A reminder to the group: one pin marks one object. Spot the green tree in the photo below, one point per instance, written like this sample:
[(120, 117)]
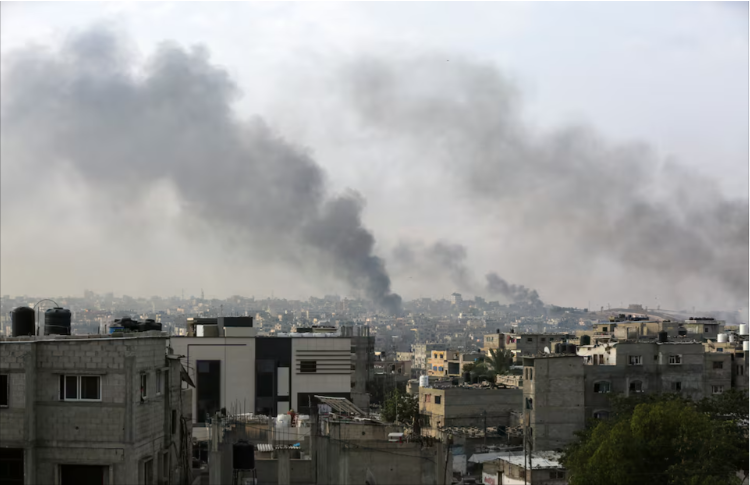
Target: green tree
[(400, 408), (663, 439), (500, 361)]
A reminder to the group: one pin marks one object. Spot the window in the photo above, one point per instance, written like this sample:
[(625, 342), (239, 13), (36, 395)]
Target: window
[(740, 371), (80, 388), (675, 359), (438, 399), (308, 366), (174, 421), (529, 403), (4, 390), (677, 386), (428, 398), (635, 360), (720, 350), (601, 414), (148, 472), (555, 475), (165, 465), (602, 387), (636, 386), (543, 339), (529, 339), (717, 389), (158, 382), (144, 386), (354, 349), (718, 365), (705, 329)]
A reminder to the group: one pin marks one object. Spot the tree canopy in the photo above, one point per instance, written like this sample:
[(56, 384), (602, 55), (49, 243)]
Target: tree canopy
[(400, 408), (663, 439)]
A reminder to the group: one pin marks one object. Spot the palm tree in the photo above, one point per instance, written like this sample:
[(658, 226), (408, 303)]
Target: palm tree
[(500, 361)]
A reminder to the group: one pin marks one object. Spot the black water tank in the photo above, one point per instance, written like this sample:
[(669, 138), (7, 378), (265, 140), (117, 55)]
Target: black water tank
[(558, 348), (572, 348), (243, 456), (57, 321), (663, 336), (586, 340), (129, 324), (681, 332), (152, 325), (22, 322)]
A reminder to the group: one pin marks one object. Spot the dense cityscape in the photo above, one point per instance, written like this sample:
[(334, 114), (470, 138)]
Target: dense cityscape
[(374, 243)]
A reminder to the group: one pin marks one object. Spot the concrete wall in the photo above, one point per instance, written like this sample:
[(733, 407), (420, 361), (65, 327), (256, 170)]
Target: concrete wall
[(557, 401), (119, 432), (237, 370), (333, 357), (465, 406), (717, 377)]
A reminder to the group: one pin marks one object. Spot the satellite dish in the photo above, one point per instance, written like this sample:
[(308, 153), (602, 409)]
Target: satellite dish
[(546, 350)]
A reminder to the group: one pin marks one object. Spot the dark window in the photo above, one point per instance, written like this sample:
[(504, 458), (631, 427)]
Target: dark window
[(529, 403), (71, 387), (90, 388), (158, 382), (438, 399), (529, 339), (82, 474), (11, 466), (208, 388), (718, 365), (308, 366), (144, 386), (148, 472), (677, 386), (265, 385), (4, 390), (636, 386), (174, 421), (602, 387)]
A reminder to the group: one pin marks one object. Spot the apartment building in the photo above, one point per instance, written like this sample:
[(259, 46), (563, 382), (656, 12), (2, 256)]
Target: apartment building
[(271, 375), (459, 406), (423, 352), (561, 391), (93, 409)]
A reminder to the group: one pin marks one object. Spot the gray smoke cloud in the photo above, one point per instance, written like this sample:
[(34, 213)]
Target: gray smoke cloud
[(516, 293), (122, 126), (447, 258), (567, 191)]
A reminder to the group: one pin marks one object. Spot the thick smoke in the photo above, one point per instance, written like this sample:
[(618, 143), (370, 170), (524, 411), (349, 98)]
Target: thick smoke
[(516, 293), (568, 192), (123, 126), (435, 260), (446, 258)]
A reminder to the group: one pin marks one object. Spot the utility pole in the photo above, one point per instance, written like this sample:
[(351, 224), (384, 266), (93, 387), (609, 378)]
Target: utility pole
[(484, 415)]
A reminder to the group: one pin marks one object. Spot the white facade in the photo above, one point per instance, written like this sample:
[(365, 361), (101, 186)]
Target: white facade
[(333, 366)]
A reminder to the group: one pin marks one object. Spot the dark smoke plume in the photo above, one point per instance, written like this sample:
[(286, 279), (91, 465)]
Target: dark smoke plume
[(568, 192), (122, 126), (435, 260), (516, 293)]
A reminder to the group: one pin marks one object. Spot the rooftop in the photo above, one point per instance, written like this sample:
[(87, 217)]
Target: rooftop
[(82, 338)]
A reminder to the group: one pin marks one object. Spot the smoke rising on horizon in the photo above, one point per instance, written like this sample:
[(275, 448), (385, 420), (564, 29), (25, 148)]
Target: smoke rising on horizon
[(123, 126), (567, 192)]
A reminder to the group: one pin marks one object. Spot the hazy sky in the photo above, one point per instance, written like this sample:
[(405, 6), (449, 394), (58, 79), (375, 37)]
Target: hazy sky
[(673, 76)]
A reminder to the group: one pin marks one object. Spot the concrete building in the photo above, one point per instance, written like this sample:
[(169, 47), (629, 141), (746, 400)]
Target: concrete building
[(562, 391), (93, 409), (513, 468), (526, 343), (457, 406), (271, 375), (363, 351), (423, 352)]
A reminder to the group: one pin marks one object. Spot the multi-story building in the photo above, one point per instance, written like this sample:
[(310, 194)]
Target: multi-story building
[(271, 375), (458, 406), (423, 352), (561, 391), (93, 409), (521, 344)]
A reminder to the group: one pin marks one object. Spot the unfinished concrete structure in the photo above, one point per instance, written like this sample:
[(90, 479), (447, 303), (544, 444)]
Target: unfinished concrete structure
[(468, 406), (561, 392), (95, 409)]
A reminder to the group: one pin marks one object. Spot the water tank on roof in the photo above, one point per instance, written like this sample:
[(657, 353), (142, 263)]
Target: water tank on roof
[(22, 322), (586, 340), (57, 321), (243, 456), (558, 348), (572, 348), (745, 346), (682, 331), (128, 324), (721, 338), (743, 329), (663, 336), (732, 337), (283, 421), (424, 381)]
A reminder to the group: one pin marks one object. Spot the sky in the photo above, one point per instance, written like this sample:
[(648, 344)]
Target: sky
[(672, 76)]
